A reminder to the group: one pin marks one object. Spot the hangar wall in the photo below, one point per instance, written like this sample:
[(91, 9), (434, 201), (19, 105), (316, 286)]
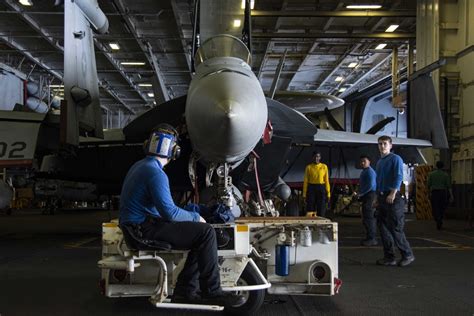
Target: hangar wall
[(445, 29)]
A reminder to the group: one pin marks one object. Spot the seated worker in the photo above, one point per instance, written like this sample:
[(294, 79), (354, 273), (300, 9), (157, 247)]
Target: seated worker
[(146, 200)]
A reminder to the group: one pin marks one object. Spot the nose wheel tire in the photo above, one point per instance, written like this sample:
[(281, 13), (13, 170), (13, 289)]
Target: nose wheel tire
[(253, 299)]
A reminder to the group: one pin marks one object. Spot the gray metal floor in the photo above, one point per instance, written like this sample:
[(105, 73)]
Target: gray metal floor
[(48, 267)]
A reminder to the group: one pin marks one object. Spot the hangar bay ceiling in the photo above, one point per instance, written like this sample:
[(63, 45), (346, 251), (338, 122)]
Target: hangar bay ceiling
[(146, 55)]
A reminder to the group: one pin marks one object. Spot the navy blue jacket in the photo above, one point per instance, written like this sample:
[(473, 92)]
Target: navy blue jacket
[(146, 191), (389, 173)]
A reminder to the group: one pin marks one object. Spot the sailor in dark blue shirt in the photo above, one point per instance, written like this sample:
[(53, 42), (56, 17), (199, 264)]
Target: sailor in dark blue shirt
[(146, 201), (390, 205), (366, 193)]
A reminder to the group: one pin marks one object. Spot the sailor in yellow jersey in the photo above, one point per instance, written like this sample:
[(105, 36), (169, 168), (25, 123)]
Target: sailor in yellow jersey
[(316, 190)]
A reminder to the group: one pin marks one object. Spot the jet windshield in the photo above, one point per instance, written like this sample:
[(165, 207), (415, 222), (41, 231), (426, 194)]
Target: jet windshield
[(222, 46)]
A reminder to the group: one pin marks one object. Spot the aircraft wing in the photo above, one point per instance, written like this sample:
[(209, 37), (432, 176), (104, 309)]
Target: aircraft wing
[(309, 102), (330, 137), (171, 112), (341, 152), (287, 122)]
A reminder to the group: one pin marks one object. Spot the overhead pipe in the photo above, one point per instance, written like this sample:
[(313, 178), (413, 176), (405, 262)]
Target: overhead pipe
[(94, 15)]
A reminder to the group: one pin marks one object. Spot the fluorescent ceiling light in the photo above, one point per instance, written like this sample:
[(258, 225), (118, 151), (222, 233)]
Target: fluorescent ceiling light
[(380, 46), (342, 89), (114, 46), (392, 28), (338, 79), (26, 3), (56, 86), (363, 6), (352, 65), (145, 85), (151, 95), (237, 23), (252, 4), (132, 63)]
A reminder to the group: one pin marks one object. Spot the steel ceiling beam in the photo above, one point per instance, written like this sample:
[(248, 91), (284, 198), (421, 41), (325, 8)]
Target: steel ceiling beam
[(373, 29), (119, 68), (267, 35), (161, 94), (354, 84), (38, 62), (24, 51), (269, 44), (263, 61), (384, 36), (62, 13), (328, 14), (315, 44), (50, 39), (122, 9), (339, 63), (187, 52), (301, 65), (294, 71)]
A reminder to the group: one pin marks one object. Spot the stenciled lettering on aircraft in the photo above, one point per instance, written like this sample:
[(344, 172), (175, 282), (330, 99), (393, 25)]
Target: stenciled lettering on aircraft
[(13, 150)]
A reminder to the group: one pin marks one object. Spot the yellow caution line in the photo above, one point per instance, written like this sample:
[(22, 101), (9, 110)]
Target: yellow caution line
[(449, 243), (81, 242), (417, 248), (442, 242), (459, 235)]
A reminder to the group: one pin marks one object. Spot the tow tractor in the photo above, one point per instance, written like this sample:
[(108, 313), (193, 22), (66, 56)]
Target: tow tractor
[(257, 255)]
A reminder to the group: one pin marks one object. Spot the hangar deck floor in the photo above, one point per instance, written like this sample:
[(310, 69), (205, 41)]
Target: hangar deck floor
[(48, 267)]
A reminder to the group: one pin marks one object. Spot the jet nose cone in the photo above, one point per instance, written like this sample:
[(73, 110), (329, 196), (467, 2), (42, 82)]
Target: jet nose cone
[(225, 116)]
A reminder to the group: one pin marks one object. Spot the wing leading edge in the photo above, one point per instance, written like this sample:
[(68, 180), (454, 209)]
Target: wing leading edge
[(330, 137)]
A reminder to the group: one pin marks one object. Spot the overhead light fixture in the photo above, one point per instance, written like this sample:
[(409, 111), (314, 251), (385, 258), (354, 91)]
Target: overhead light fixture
[(56, 86), (237, 23), (338, 79), (26, 3), (252, 4), (132, 63), (392, 28), (342, 89), (150, 94), (380, 46), (352, 65), (114, 46), (363, 6), (145, 85)]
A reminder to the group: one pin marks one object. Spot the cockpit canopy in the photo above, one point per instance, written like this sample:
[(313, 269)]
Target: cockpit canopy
[(222, 46)]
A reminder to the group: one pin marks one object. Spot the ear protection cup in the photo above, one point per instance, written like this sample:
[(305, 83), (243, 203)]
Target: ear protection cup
[(176, 151)]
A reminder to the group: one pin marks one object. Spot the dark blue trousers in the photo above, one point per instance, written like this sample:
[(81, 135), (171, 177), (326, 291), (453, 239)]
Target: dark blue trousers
[(201, 271), (391, 223), (368, 215)]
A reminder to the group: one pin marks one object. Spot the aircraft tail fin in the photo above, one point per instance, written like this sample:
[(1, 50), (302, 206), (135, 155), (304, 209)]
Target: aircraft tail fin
[(426, 121)]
